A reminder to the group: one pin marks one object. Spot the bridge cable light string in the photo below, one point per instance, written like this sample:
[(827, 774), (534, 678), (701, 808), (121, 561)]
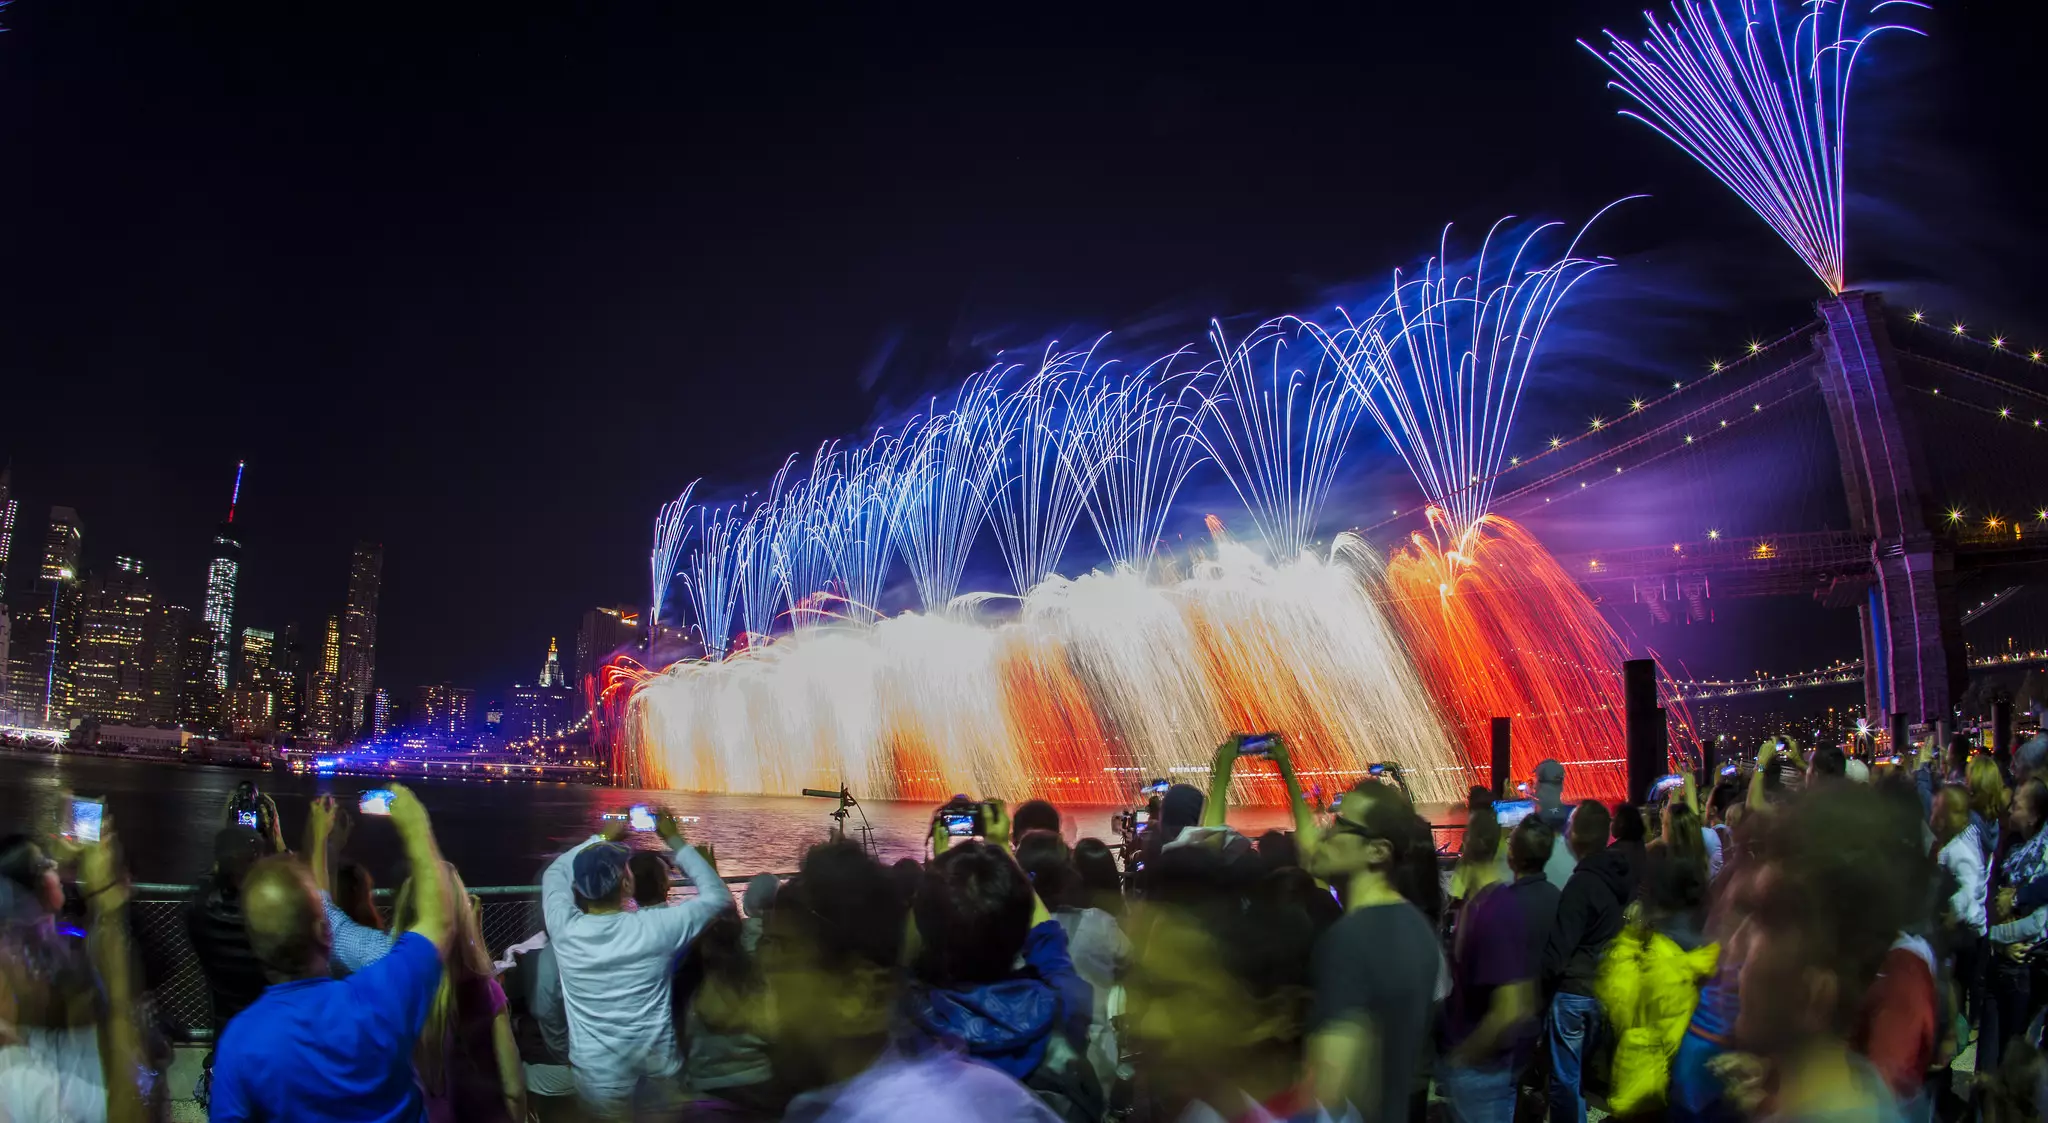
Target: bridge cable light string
[(1764, 111)]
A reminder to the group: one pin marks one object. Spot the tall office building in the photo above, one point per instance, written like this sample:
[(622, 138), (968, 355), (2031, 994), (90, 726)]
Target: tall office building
[(217, 612), (44, 642), (358, 667), (170, 630), (380, 712), (323, 687), (113, 670), (445, 709), (287, 675), (604, 630), (9, 507)]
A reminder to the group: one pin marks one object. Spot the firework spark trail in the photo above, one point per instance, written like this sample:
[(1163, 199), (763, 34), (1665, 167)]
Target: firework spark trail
[(759, 577), (1143, 450), (942, 489), (712, 577), (1040, 436), (1441, 365), (1768, 119), (671, 529), (1279, 450), (803, 540), (1502, 631), (1094, 677), (857, 529)]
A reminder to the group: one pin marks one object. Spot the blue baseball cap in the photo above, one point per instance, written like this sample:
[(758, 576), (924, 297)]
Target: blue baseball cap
[(598, 870)]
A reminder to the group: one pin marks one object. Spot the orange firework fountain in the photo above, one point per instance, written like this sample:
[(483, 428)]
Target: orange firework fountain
[(1497, 628)]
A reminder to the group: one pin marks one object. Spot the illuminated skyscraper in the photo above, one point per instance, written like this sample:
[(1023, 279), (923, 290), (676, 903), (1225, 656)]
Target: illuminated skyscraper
[(444, 708), (253, 702), (170, 629), (323, 687), (551, 675), (113, 673), (43, 647), (359, 636), (9, 507), (380, 712), (217, 614)]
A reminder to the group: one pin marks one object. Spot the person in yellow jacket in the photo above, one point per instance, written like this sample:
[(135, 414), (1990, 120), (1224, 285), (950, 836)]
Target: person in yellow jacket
[(1649, 981)]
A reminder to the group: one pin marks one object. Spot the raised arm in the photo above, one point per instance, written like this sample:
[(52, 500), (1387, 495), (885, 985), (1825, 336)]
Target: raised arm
[(1217, 809), (105, 888), (558, 889), (1305, 835), (1764, 758), (682, 922), (319, 828), (435, 919)]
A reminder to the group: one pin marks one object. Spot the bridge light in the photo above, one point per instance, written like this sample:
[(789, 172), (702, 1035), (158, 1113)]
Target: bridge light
[(1597, 422), (1958, 329), (1955, 514), (1756, 407), (1554, 442), (1918, 316), (1754, 346), (1713, 533), (1635, 403), (1724, 424), (2034, 355), (1715, 366), (1998, 341), (1675, 386), (1688, 438), (1514, 460)]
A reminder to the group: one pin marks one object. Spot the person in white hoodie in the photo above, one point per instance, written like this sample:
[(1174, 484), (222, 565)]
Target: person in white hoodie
[(616, 965), (1960, 854)]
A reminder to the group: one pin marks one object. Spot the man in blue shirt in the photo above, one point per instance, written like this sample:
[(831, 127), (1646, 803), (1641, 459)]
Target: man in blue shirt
[(314, 1047)]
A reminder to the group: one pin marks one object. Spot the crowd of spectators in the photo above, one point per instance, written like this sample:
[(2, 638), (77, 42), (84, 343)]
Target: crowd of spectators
[(1811, 937)]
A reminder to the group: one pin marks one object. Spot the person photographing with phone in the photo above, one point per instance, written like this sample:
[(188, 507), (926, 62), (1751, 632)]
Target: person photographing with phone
[(617, 966), (354, 946), (316, 1047)]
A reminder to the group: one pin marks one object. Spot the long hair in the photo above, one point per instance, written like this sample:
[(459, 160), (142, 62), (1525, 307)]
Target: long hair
[(1388, 815), (1988, 794), (468, 958)]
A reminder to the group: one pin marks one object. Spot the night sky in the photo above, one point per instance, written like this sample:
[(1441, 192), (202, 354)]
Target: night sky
[(487, 284)]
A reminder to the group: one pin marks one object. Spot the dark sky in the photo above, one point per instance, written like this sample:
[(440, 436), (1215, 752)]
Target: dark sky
[(488, 283)]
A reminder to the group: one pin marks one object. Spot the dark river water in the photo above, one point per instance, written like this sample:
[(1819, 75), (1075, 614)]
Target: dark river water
[(497, 832)]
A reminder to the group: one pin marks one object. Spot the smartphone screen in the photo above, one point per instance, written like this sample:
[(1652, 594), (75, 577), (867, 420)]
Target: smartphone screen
[(376, 801), (85, 819), (246, 819), (639, 818), (1375, 769), (1512, 811), (959, 824), (1260, 744), (1141, 819)]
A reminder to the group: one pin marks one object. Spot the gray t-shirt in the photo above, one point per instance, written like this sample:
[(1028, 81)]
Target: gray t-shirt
[(1378, 966)]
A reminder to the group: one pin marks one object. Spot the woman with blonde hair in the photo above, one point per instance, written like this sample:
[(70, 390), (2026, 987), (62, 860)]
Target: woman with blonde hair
[(467, 1060), (1989, 798)]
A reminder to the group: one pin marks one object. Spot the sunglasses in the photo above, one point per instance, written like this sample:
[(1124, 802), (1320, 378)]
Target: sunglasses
[(1341, 825)]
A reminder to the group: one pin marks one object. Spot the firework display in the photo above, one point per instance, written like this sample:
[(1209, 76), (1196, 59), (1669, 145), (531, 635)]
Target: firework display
[(1760, 98), (1083, 688)]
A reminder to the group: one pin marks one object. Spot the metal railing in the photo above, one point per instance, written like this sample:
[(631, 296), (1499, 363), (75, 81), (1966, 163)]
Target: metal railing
[(184, 1003)]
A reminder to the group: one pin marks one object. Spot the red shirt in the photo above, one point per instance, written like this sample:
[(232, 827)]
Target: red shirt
[(1897, 1026)]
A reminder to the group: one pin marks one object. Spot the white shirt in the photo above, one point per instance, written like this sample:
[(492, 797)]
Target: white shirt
[(1963, 857), (616, 968)]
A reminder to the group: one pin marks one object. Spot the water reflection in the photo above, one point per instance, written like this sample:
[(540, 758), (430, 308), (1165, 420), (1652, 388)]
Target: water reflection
[(498, 832)]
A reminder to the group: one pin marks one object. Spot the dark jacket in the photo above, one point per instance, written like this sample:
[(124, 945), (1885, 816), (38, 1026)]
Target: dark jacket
[(234, 979), (1006, 1024), (1537, 899), (1589, 914)]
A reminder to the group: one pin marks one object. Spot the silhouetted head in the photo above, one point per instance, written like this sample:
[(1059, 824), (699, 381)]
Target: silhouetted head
[(286, 921), (973, 911), (1587, 831), (1033, 815), (1530, 845), (648, 872)]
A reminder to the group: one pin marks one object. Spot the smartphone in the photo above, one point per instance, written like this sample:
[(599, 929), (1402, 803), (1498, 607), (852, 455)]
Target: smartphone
[(1729, 770), (959, 824), (246, 819), (1140, 820), (639, 818), (1256, 744), (1665, 785), (1157, 787), (376, 801), (85, 819), (1512, 811), (1522, 789), (1375, 769)]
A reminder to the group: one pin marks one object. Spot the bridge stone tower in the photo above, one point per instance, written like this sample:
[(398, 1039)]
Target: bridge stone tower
[(1912, 630)]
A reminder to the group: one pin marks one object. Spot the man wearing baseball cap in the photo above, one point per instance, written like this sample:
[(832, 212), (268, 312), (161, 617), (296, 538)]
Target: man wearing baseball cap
[(616, 965), (1552, 809)]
